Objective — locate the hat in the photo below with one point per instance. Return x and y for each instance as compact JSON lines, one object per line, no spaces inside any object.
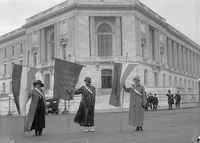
{"x":137,"y":77}
{"x":38,"y":82}
{"x":88,"y":79}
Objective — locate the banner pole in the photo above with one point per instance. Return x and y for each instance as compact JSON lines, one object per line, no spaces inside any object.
{"x":122,"y":105}
{"x":24,"y":122}
{"x":122,"y":110}
{"x":68,"y":115}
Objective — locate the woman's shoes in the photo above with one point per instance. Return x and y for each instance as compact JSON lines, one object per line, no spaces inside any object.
{"x":40,"y":132}
{"x":86,"y":130}
{"x":36,"y":132}
{"x":89,"y":129}
{"x":139,"y":129}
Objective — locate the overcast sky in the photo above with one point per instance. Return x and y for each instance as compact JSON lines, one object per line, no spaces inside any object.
{"x":181,"y":14}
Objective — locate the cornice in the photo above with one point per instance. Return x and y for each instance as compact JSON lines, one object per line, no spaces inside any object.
{"x":78,"y":7}
{"x":154,"y":16}
{"x":12,"y":35}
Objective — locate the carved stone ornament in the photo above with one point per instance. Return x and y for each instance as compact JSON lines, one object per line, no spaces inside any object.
{"x":64,"y":41}
{"x":34,"y":49}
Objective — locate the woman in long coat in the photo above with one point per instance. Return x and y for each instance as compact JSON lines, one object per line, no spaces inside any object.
{"x":36,"y":115}
{"x":137,"y":104}
{"x":85,"y":114}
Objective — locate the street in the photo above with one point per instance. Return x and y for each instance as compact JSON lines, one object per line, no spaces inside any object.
{"x":175,"y":126}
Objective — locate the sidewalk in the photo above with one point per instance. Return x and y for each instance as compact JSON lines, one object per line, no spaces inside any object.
{"x":163,"y":107}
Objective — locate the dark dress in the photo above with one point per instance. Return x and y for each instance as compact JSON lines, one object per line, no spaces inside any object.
{"x":85,"y":113}
{"x":39,"y":117}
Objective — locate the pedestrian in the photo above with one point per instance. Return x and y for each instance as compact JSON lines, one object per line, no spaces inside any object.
{"x":178,"y":99}
{"x":137,"y":103}
{"x":150,"y":100}
{"x":155,"y":102}
{"x":170,"y":99}
{"x":36,"y":115}
{"x":85,"y":114}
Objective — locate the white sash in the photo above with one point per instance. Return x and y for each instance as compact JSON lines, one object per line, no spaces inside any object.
{"x":40,"y":93}
{"x":89,"y":90}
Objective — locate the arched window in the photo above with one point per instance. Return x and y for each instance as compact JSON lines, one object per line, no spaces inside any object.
{"x":104,"y":38}
{"x":170,"y":81}
{"x":175,"y":82}
{"x":47,"y":81}
{"x":145,"y":77}
{"x":11,"y":86}
{"x":4,"y":87}
{"x":106,"y":78}
{"x":181,"y":82}
{"x":188,"y":83}
{"x":51,"y":44}
{"x":193,"y":84}
{"x":164,"y":80}
{"x":185,"y":84}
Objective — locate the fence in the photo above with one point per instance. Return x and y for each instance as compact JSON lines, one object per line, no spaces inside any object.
{"x":8,"y":107}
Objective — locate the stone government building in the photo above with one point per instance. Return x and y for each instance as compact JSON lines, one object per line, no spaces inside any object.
{"x":97,"y":33}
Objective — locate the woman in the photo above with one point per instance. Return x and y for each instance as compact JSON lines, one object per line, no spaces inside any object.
{"x":137,"y":104}
{"x":36,"y":114}
{"x":85,"y":114}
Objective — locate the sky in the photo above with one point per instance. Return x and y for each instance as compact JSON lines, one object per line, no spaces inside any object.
{"x":181,"y":14}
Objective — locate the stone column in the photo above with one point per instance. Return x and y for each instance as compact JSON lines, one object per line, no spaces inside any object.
{"x":42,"y":49}
{"x":189,"y":63}
{"x":198,"y":64}
{"x":175,"y":55}
{"x":170,"y":53}
{"x":92,"y":37}
{"x":118,"y":47}
{"x":180,"y":56}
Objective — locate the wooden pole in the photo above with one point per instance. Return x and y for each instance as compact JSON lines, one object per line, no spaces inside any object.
{"x":122,"y":104}
{"x":24,"y":121}
{"x":122,"y":110}
{"x":68,"y":115}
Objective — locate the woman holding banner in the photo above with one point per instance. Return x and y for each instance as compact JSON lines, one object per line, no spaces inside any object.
{"x":85,"y":114}
{"x":36,"y":115}
{"x":137,"y":104}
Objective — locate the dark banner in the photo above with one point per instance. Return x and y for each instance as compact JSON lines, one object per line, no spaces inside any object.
{"x":66,"y":75}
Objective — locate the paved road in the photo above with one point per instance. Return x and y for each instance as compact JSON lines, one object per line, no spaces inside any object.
{"x":176,"y":126}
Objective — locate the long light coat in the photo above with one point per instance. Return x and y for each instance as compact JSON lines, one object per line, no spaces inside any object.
{"x":34,"y":95}
{"x":136,"y":111}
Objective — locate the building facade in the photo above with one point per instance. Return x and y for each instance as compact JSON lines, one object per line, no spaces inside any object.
{"x":97,"y":33}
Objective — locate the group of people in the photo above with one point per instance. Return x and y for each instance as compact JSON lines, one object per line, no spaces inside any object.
{"x":139,"y":101}
{"x":171,"y":98}
{"x":152,"y":102}
{"x":84,"y":116}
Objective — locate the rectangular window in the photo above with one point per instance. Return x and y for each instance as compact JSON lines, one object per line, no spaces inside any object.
{"x":21,"y":62}
{"x":34,"y":59}
{"x":151,"y":42}
{"x":4,"y":69}
{"x":4,"y":87}
{"x":21,"y":48}
{"x":13,"y":50}
{"x":105,"y":45}
{"x":64,"y":52}
{"x":156,"y":79}
{"x":5,"y":53}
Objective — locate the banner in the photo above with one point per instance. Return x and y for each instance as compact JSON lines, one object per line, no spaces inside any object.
{"x":66,"y":75}
{"x":22,"y":81}
{"x":121,"y":73}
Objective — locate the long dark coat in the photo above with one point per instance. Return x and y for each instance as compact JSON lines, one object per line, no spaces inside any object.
{"x":136,"y":109}
{"x":170,"y":98}
{"x":36,"y":114}
{"x":85,"y":113}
